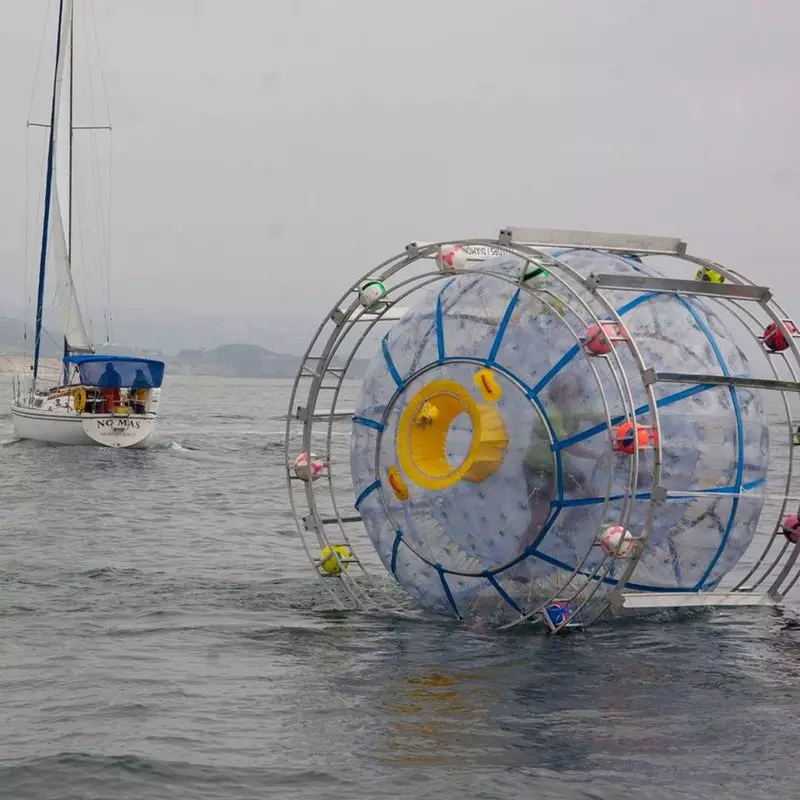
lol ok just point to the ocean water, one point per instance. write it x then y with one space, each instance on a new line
162 636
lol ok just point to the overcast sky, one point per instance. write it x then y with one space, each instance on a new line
265 154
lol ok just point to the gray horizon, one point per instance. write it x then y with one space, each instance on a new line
266 155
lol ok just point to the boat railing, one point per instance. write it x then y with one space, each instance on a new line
112 400
25 388
49 385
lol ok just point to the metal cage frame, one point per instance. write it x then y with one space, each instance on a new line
323 371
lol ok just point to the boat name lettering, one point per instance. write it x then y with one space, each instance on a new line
119 423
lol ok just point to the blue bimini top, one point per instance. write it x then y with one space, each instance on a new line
119 372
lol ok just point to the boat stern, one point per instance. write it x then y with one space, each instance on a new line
119 431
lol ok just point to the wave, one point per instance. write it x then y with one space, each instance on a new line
113 573
173 446
177 447
77 774
179 450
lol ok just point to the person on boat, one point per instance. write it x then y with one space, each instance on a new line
110 378
110 382
138 392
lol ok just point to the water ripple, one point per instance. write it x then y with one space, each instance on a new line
163 637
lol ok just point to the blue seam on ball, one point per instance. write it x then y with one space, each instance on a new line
556 368
440 569
596 501
501 330
555 444
544 531
367 492
501 591
387 357
532 550
667 400
530 392
398 537
642 587
528 551
368 423
575 349
440 322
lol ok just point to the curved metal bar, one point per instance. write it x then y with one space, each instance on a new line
384 267
741 313
334 341
339 383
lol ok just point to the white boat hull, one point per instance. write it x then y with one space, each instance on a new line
69 428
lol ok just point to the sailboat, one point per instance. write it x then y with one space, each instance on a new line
92 399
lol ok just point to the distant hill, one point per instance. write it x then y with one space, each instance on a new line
234 361
244 361
224 361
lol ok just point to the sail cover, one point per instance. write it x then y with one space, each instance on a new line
66 298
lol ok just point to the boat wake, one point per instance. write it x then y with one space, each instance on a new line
172 446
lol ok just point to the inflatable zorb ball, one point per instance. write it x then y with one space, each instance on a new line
526 445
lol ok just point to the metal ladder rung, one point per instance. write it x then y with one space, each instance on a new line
295 478
696 493
644 283
307 372
308 520
391 314
303 415
647 600
651 376
361 314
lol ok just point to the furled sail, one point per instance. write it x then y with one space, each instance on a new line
66 298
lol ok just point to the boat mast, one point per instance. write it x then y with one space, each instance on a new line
71 84
71 132
47 198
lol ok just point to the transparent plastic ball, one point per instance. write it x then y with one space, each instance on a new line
508 489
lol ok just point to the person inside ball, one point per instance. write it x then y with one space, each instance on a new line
568 412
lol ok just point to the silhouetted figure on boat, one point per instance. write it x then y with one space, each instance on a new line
110 381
